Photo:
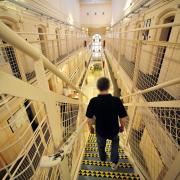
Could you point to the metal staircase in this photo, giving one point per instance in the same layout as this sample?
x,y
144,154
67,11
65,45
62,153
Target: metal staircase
x,y
92,168
53,150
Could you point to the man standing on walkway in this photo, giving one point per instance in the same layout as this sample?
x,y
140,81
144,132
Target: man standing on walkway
x,y
106,110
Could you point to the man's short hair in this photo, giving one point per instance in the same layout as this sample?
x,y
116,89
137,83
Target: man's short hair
x,y
103,84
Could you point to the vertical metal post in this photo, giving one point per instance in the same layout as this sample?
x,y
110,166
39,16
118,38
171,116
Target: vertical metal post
x,y
136,68
119,48
50,104
111,41
53,51
66,36
80,119
19,63
60,43
76,40
131,120
174,171
65,172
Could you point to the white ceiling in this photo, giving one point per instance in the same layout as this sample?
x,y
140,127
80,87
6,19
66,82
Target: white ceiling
x,y
94,1
96,15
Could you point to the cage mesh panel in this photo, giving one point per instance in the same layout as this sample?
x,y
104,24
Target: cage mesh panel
x,y
30,142
68,115
154,139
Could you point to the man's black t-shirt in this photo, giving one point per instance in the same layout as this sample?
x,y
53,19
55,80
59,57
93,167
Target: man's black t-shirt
x,y
107,109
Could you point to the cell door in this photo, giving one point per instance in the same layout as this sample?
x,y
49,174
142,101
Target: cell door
x,y
161,50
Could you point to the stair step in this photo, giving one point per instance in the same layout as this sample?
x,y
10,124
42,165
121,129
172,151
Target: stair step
x,y
94,169
93,140
107,174
105,163
106,168
95,149
90,135
108,155
95,145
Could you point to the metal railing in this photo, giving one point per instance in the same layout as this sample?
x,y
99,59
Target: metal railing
x,y
39,121
21,44
55,48
28,137
152,133
151,95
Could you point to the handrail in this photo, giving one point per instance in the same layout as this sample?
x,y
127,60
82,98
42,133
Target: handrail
x,y
33,93
36,33
55,159
159,86
153,42
169,104
151,27
11,37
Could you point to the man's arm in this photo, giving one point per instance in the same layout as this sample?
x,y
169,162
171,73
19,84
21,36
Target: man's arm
x,y
123,122
122,115
90,125
89,115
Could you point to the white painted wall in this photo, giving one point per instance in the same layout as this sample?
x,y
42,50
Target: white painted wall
x,y
98,20
66,10
113,11
70,8
76,13
118,6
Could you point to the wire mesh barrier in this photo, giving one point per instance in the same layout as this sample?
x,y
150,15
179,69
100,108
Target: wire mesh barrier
x,y
150,58
49,173
146,62
156,69
52,46
128,66
8,55
35,129
152,133
127,56
75,75
69,163
25,134
154,139
69,117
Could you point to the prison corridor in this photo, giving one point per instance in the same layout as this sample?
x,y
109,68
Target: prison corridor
x,y
52,54
92,168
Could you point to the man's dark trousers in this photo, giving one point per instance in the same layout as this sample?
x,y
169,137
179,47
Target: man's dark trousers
x,y
114,148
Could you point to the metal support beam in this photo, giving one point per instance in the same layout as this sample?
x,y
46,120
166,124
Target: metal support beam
x,y
174,171
11,37
159,86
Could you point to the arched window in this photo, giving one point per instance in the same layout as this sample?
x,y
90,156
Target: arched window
x,y
43,38
167,16
96,46
166,32
164,36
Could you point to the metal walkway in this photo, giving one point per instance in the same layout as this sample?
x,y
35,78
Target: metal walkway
x,y
92,168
